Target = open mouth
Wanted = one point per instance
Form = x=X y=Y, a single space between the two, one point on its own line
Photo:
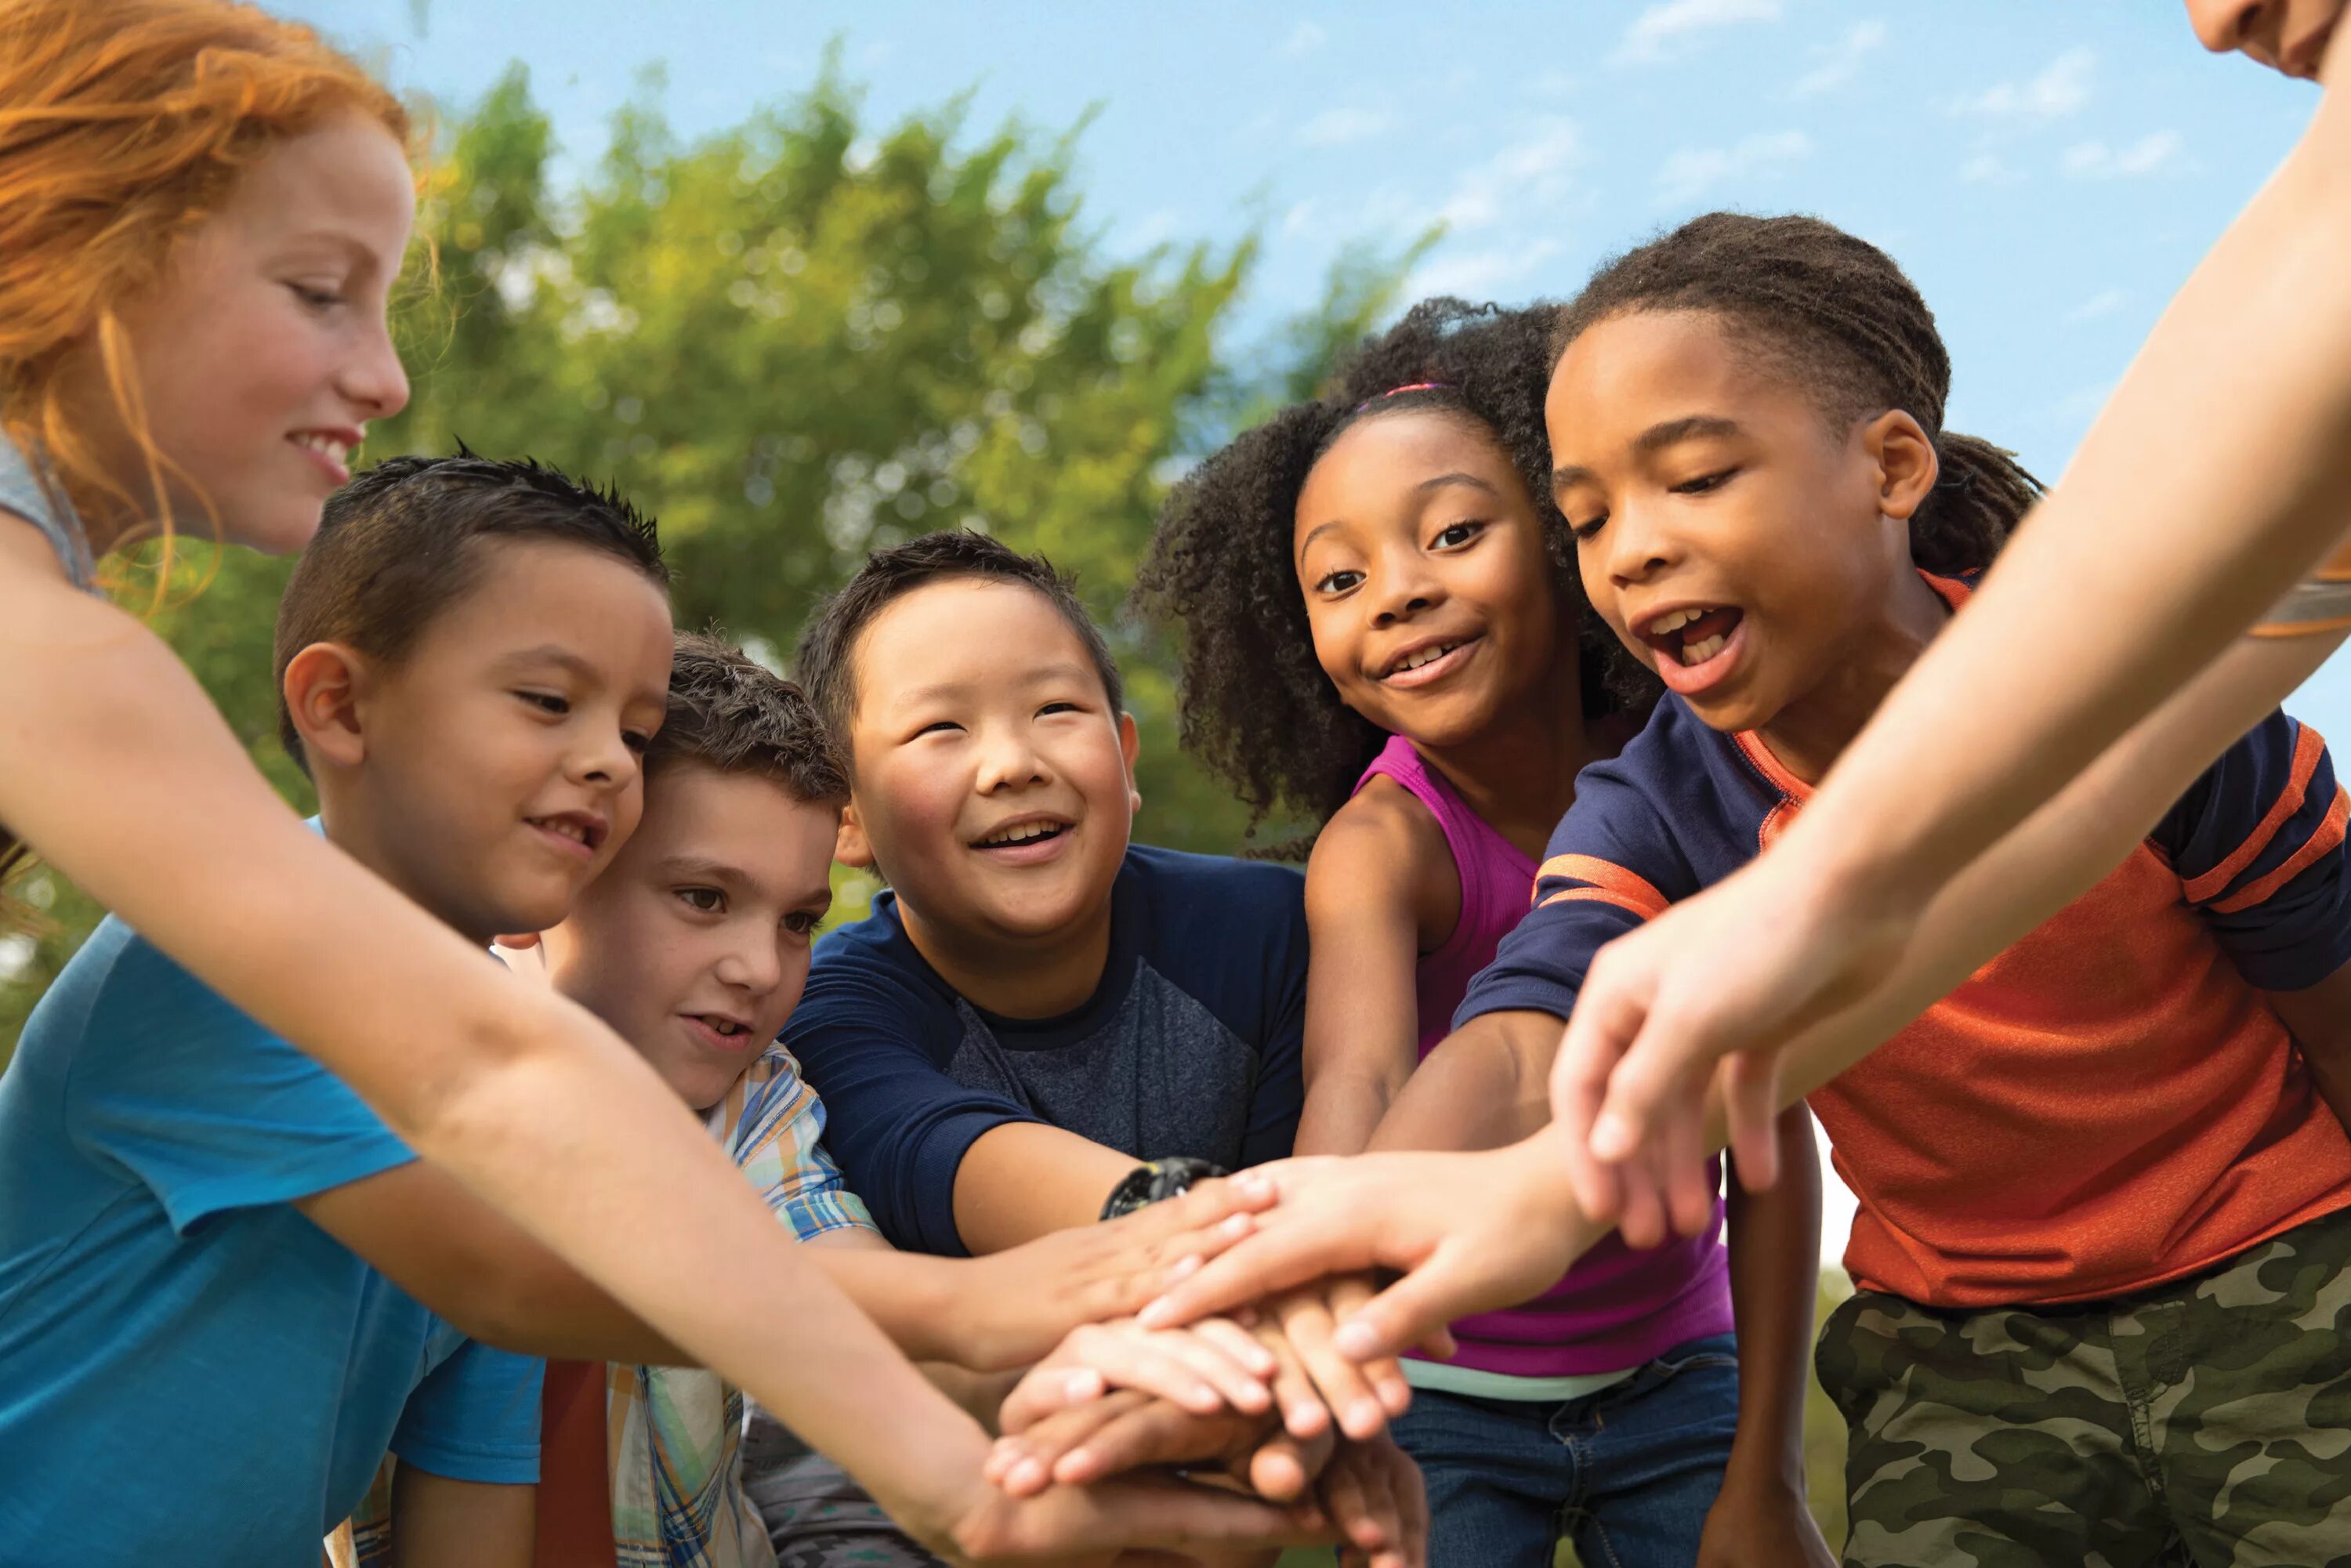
x=584 y=833
x=1427 y=662
x=1690 y=637
x=721 y=1031
x=1023 y=833
x=331 y=449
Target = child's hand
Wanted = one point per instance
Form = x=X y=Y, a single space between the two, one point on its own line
x=1372 y=1493
x=1297 y=1326
x=1127 y=1430
x=1023 y=1301
x=1210 y=1366
x=1761 y=1522
x=1470 y=1233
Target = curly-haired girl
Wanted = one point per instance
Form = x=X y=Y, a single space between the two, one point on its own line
x=1383 y=632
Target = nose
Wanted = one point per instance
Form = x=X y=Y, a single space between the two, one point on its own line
x=375 y=380
x=1639 y=546
x=2224 y=26
x=1403 y=588
x=755 y=962
x=604 y=759
x=1008 y=759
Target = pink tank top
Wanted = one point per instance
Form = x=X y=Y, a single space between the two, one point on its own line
x=1617 y=1308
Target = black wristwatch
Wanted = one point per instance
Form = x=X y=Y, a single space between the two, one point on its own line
x=1154 y=1180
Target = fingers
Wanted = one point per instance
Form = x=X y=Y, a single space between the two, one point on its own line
x=1412 y=1509
x=1046 y=1391
x=1303 y=1414
x=1258 y=1266
x=1418 y=1306
x=1277 y=1468
x=1578 y=1084
x=1306 y=1322
x=1022 y=1465
x=1690 y=1189
x=1750 y=1098
x=1384 y=1374
x=1156 y=1433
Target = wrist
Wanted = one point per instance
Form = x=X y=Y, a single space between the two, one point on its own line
x=1765 y=1468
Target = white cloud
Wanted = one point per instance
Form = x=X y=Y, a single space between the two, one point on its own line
x=1342 y=127
x=2098 y=305
x=1304 y=39
x=1480 y=275
x=1530 y=171
x=1693 y=171
x=2061 y=88
x=2149 y=155
x=1842 y=60
x=1986 y=169
x=1656 y=31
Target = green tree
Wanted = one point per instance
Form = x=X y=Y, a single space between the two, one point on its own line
x=792 y=341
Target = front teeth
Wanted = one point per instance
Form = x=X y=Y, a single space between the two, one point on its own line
x=572 y=831
x=1673 y=621
x=325 y=444
x=1700 y=653
x=1022 y=833
x=1425 y=656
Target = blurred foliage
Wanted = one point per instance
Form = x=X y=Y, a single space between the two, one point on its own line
x=792 y=341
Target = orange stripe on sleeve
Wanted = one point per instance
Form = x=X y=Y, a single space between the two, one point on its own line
x=1629 y=890
x=2307 y=745
x=2321 y=843
x=1598 y=896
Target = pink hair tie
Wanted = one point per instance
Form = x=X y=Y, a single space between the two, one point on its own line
x=1408 y=387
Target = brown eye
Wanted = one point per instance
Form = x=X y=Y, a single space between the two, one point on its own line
x=703 y=900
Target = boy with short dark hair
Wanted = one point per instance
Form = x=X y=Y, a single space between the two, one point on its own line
x=1039 y=1014
x=185 y=1272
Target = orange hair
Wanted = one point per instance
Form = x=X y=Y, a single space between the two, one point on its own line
x=123 y=125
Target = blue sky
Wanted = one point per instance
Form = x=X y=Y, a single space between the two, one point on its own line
x=2048 y=173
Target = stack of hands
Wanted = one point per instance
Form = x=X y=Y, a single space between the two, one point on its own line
x=1258 y=1401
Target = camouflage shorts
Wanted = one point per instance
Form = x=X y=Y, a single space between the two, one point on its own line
x=2207 y=1422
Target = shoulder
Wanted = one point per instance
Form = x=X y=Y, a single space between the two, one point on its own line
x=1383 y=849
x=1679 y=805
x=867 y=978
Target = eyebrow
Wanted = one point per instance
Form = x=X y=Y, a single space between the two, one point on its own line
x=1656 y=438
x=1057 y=671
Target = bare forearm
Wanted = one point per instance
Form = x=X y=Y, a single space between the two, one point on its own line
x=1775 y=1248
x=1484 y=1086
x=2059 y=853
x=1023 y=1180
x=1343 y=1109
x=2217 y=477
x=438 y=1522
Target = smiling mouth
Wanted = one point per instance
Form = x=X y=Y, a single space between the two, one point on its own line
x=1692 y=636
x=1032 y=831
x=728 y=1034
x=588 y=835
x=1418 y=659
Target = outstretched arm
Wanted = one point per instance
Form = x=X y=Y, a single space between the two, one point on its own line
x=1476 y=1231
x=2218 y=475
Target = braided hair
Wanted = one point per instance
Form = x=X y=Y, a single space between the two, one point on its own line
x=1841 y=316
x=1253 y=703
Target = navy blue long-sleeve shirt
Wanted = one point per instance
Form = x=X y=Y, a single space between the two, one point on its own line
x=1190 y=1044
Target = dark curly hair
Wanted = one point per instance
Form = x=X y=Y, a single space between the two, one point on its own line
x=1255 y=706
x=1845 y=323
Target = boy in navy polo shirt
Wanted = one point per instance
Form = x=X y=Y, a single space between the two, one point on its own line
x=1036 y=1004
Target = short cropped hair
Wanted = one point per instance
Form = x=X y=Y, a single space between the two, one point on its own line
x=399 y=546
x=826 y=658
x=729 y=714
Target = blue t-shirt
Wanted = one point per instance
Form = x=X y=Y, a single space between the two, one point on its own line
x=190 y=1369
x=1189 y=1045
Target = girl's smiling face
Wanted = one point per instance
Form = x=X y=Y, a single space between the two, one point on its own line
x=1733 y=538
x=264 y=352
x=1433 y=602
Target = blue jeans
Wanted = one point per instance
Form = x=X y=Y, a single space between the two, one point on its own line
x=1628 y=1473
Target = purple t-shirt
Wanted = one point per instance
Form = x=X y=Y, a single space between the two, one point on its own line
x=1617 y=1308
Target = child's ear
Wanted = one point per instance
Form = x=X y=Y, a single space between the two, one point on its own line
x=1130 y=745
x=1906 y=461
x=850 y=847
x=324 y=685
